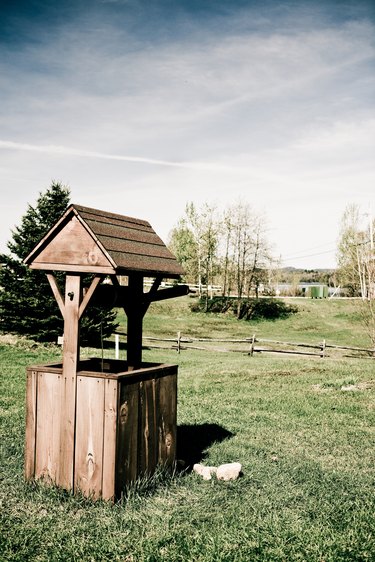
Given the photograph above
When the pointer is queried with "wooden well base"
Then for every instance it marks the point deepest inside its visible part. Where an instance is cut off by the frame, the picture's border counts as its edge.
(125, 424)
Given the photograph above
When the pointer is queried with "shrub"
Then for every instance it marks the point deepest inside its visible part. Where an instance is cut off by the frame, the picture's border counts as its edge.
(246, 309)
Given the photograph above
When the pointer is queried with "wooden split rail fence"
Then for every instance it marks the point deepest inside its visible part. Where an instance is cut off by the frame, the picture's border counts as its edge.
(248, 346)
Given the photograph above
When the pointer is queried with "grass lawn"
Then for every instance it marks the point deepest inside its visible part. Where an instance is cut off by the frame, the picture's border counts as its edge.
(306, 447)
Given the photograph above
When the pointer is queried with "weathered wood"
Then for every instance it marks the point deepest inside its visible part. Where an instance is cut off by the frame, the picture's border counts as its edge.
(48, 424)
(88, 469)
(72, 268)
(123, 427)
(74, 246)
(252, 344)
(148, 434)
(86, 299)
(127, 437)
(56, 292)
(167, 419)
(295, 344)
(31, 411)
(109, 439)
(68, 390)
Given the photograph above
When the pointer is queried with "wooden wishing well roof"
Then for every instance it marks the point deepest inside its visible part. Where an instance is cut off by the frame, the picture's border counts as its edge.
(93, 241)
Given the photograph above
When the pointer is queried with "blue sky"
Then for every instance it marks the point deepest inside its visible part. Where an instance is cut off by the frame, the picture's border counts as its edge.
(142, 106)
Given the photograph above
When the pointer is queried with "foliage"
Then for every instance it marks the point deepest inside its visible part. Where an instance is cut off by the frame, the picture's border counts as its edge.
(183, 245)
(356, 259)
(27, 305)
(355, 254)
(203, 225)
(229, 249)
(247, 309)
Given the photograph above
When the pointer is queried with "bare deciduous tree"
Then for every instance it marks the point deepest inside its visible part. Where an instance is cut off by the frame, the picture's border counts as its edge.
(356, 261)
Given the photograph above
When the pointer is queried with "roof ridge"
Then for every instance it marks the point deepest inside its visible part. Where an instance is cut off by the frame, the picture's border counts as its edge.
(110, 214)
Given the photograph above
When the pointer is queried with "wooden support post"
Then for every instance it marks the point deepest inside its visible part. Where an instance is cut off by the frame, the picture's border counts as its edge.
(135, 313)
(323, 349)
(251, 351)
(178, 342)
(69, 382)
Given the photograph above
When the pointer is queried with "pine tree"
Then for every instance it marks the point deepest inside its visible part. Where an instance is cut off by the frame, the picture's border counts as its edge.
(27, 305)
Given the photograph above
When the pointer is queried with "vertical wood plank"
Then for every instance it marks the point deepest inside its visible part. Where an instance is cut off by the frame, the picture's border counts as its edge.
(47, 450)
(89, 436)
(127, 436)
(167, 419)
(148, 438)
(31, 409)
(109, 438)
(68, 391)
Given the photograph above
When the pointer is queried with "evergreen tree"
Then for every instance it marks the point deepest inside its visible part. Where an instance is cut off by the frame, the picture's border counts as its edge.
(27, 305)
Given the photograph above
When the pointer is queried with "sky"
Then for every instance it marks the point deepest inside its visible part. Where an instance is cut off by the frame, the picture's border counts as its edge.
(143, 106)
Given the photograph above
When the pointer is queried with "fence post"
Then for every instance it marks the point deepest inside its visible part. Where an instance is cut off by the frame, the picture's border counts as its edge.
(117, 346)
(251, 352)
(178, 342)
(323, 349)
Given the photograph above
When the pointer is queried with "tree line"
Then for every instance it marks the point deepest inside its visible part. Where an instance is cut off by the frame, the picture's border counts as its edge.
(228, 248)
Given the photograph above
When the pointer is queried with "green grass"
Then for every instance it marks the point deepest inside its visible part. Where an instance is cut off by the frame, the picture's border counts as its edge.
(337, 320)
(306, 446)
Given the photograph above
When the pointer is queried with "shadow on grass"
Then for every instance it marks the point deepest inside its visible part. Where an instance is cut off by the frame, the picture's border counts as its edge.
(194, 440)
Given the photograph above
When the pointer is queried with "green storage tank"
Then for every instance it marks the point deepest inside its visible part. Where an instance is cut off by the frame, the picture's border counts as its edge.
(319, 292)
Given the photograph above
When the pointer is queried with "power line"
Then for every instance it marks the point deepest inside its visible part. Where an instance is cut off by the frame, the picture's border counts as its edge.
(297, 257)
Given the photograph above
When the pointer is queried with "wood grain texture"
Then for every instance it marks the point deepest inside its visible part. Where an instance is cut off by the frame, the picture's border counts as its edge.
(109, 438)
(167, 419)
(72, 268)
(31, 412)
(69, 376)
(86, 299)
(127, 437)
(73, 245)
(56, 292)
(88, 467)
(148, 430)
(48, 423)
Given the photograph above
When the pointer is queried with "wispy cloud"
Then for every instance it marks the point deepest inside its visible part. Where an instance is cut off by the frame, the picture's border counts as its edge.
(67, 151)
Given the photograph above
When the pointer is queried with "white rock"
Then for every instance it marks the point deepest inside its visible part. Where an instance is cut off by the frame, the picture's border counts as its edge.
(230, 471)
(204, 471)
